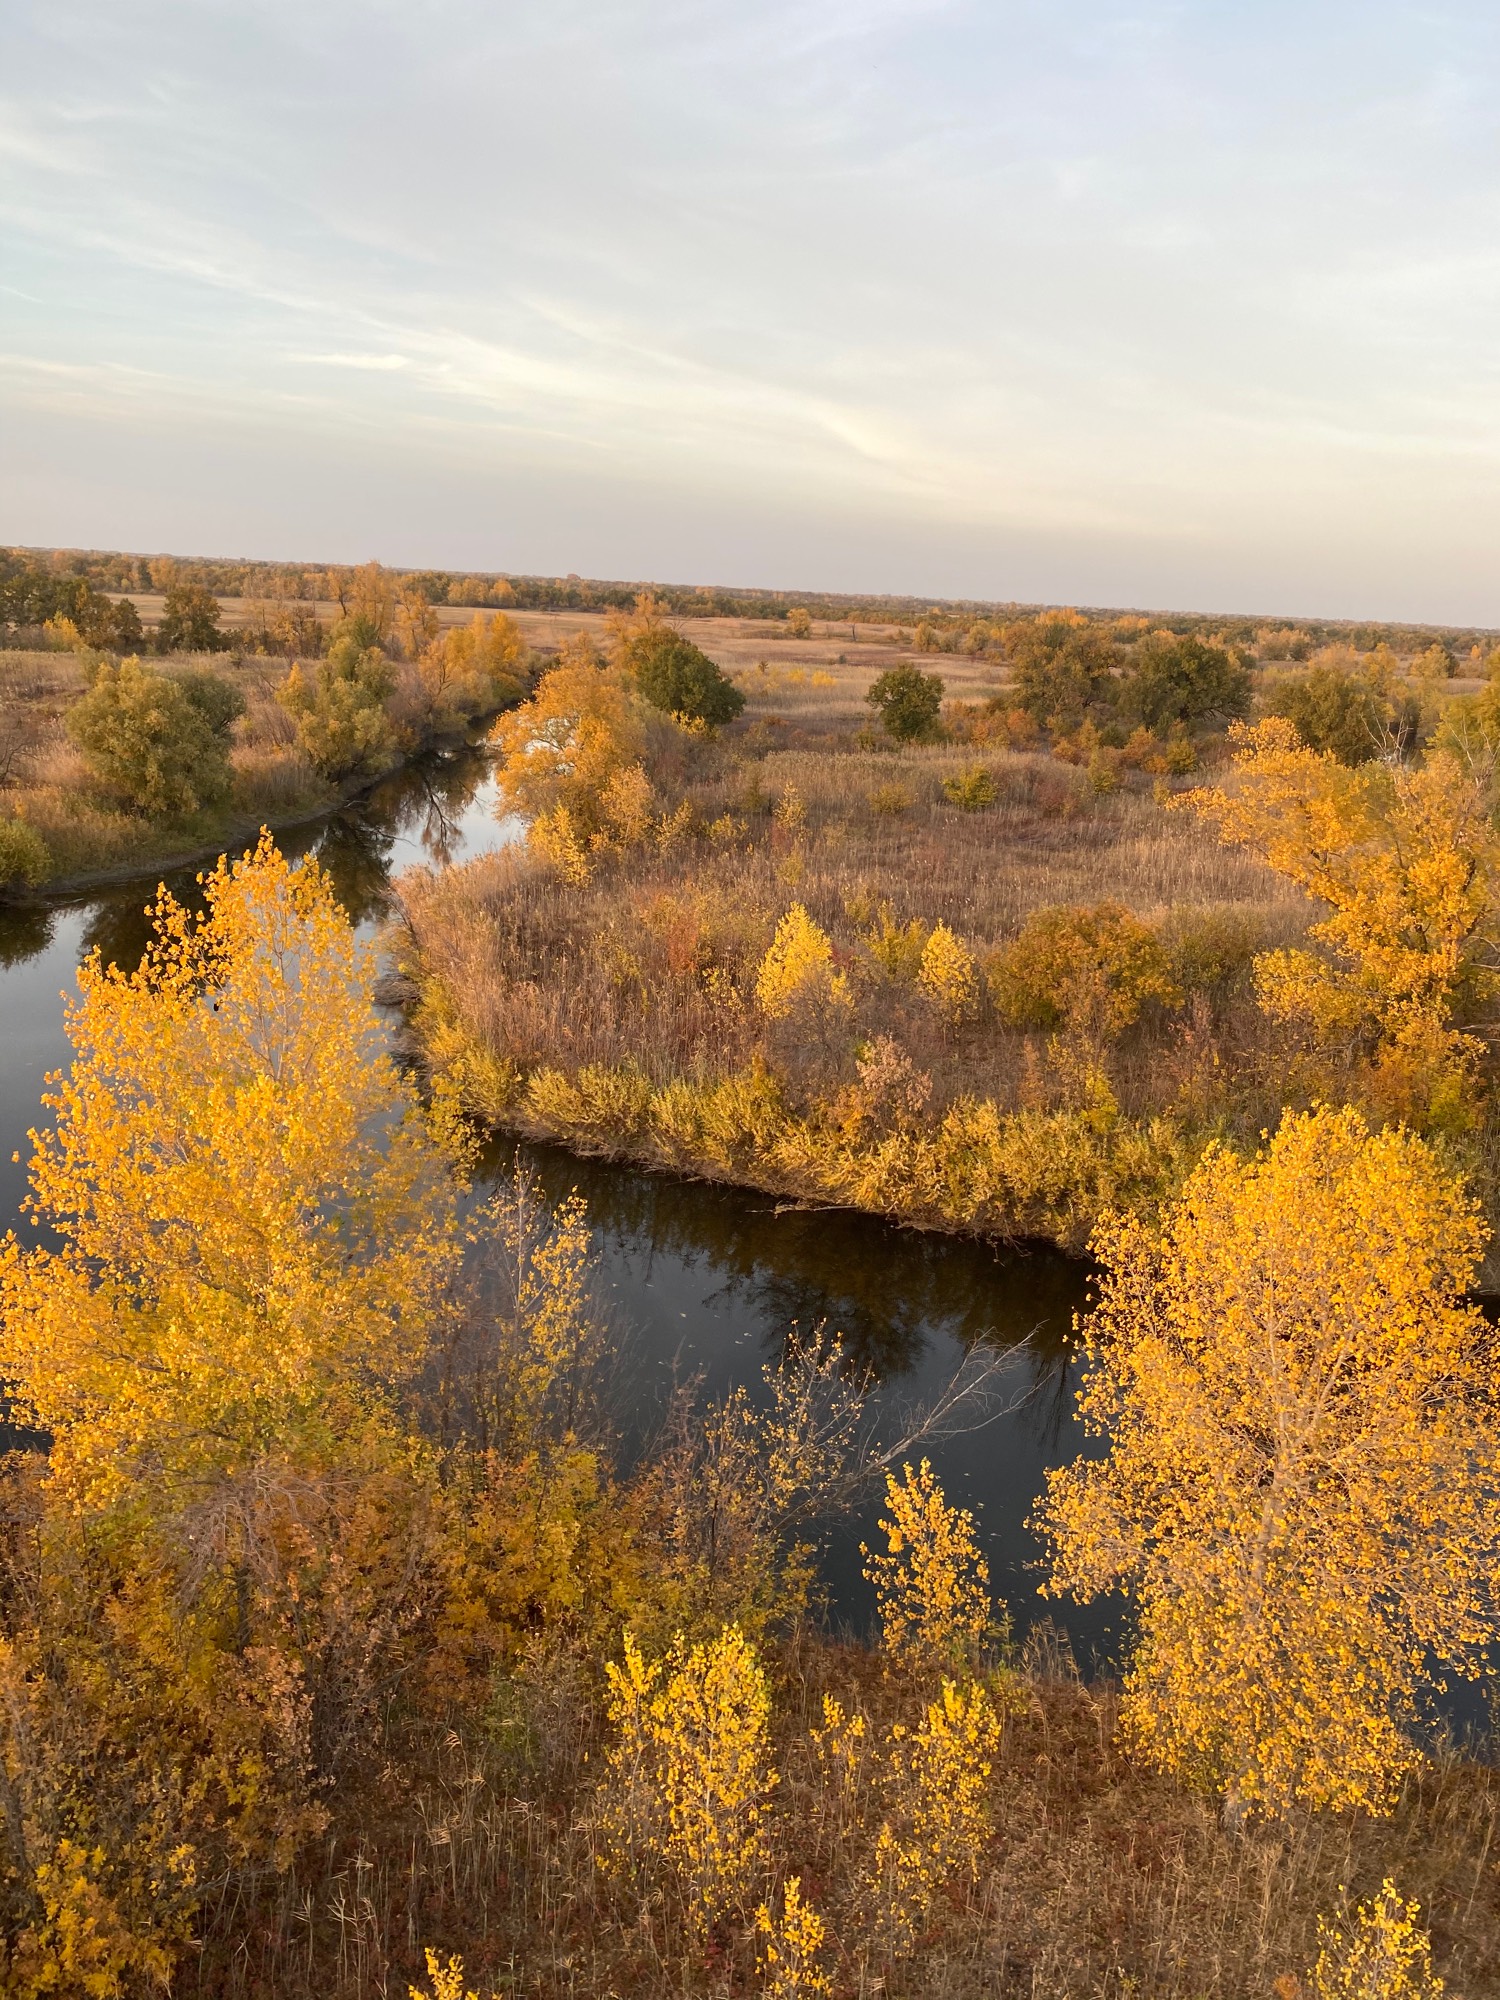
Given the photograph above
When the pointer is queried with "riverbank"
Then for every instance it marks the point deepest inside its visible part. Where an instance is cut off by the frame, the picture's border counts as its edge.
(94, 845)
(975, 985)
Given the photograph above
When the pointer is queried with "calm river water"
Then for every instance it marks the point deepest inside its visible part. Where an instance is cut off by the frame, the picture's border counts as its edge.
(704, 1281)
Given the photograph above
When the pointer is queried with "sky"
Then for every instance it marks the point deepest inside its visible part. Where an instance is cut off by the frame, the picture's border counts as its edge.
(1186, 306)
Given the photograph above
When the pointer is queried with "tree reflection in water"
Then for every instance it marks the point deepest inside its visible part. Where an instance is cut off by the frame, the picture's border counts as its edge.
(888, 1291)
(712, 1282)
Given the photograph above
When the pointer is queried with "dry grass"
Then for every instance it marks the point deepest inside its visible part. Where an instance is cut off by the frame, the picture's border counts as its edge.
(653, 962)
(1100, 1879)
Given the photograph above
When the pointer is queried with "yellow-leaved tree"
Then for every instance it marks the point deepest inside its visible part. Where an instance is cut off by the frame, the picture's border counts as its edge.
(471, 669)
(255, 1220)
(1302, 1487)
(1406, 858)
(253, 1227)
(798, 970)
(690, 1775)
(580, 726)
(932, 1584)
(949, 976)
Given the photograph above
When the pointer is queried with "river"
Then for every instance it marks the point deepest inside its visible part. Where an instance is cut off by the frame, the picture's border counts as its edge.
(704, 1282)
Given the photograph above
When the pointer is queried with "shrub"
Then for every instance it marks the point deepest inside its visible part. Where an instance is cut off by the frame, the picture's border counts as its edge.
(937, 1809)
(896, 948)
(908, 703)
(1091, 969)
(340, 708)
(1182, 680)
(798, 967)
(932, 1585)
(24, 859)
(1331, 710)
(788, 1959)
(799, 622)
(1380, 1953)
(690, 1774)
(971, 790)
(948, 974)
(890, 800)
(157, 743)
(1210, 950)
(679, 678)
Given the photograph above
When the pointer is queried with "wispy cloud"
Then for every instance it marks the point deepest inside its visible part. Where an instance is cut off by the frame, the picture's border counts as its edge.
(1212, 289)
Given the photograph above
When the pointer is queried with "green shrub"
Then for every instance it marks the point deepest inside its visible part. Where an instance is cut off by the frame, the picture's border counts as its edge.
(908, 703)
(1211, 950)
(1182, 680)
(339, 707)
(157, 743)
(24, 860)
(678, 677)
(890, 801)
(1087, 969)
(972, 790)
(1333, 710)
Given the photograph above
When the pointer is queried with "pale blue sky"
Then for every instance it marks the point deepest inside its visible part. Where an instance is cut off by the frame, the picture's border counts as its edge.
(1171, 305)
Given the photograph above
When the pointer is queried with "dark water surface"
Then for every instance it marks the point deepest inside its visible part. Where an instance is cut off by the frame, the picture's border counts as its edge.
(705, 1282)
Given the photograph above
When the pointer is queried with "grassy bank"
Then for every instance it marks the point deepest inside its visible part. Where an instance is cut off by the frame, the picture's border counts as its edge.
(92, 837)
(47, 782)
(619, 1016)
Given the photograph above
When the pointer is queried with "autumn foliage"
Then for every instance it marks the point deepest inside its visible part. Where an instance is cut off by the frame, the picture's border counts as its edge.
(1302, 1486)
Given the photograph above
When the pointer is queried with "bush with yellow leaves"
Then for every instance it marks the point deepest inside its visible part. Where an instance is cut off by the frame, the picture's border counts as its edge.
(447, 1978)
(798, 970)
(948, 976)
(789, 1954)
(935, 1794)
(689, 1770)
(932, 1584)
(1087, 971)
(1379, 1952)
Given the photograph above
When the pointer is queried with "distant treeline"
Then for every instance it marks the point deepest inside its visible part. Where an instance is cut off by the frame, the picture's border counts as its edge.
(945, 620)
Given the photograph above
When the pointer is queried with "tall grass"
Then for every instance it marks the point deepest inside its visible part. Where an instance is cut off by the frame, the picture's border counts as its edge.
(1098, 1879)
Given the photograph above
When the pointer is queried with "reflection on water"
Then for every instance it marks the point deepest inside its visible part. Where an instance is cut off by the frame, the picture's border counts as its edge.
(712, 1282)
(889, 1291)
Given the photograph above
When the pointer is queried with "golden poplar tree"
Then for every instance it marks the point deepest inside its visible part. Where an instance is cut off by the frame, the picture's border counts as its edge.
(253, 1228)
(1301, 1491)
(253, 1218)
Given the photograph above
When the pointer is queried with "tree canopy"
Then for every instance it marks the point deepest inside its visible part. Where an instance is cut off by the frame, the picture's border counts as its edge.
(1302, 1485)
(908, 702)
